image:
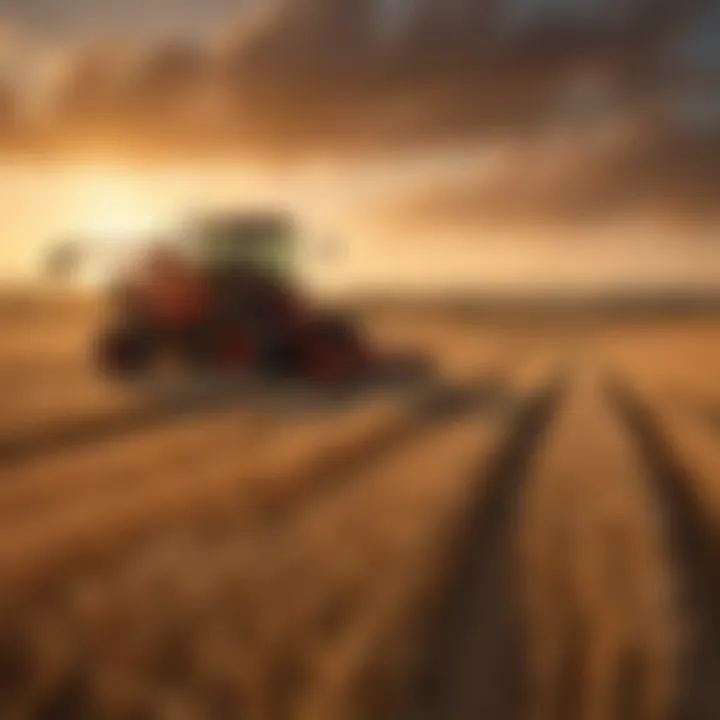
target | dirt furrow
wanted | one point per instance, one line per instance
(695, 547)
(473, 666)
(293, 467)
(353, 556)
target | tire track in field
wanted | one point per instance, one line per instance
(96, 426)
(385, 495)
(597, 594)
(107, 421)
(121, 462)
(410, 500)
(695, 549)
(78, 407)
(117, 523)
(342, 465)
(423, 415)
(473, 667)
(108, 418)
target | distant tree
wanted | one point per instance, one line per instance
(63, 260)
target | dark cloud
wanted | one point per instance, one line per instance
(7, 104)
(330, 79)
(657, 174)
(72, 19)
(319, 76)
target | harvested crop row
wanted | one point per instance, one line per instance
(598, 591)
(184, 623)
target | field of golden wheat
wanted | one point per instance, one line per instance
(535, 538)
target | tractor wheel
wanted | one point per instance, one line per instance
(197, 348)
(235, 350)
(280, 357)
(336, 353)
(331, 365)
(125, 353)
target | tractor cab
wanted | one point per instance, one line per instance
(259, 245)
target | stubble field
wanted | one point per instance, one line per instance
(537, 539)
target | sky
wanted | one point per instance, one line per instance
(549, 123)
(77, 19)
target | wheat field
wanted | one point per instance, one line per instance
(536, 538)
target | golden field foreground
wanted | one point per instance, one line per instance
(539, 540)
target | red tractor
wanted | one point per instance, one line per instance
(222, 297)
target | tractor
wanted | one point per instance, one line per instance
(221, 295)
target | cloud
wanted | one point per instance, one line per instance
(652, 173)
(7, 104)
(308, 77)
(329, 79)
(321, 80)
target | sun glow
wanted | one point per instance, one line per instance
(113, 212)
(111, 207)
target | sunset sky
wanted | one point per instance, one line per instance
(459, 141)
